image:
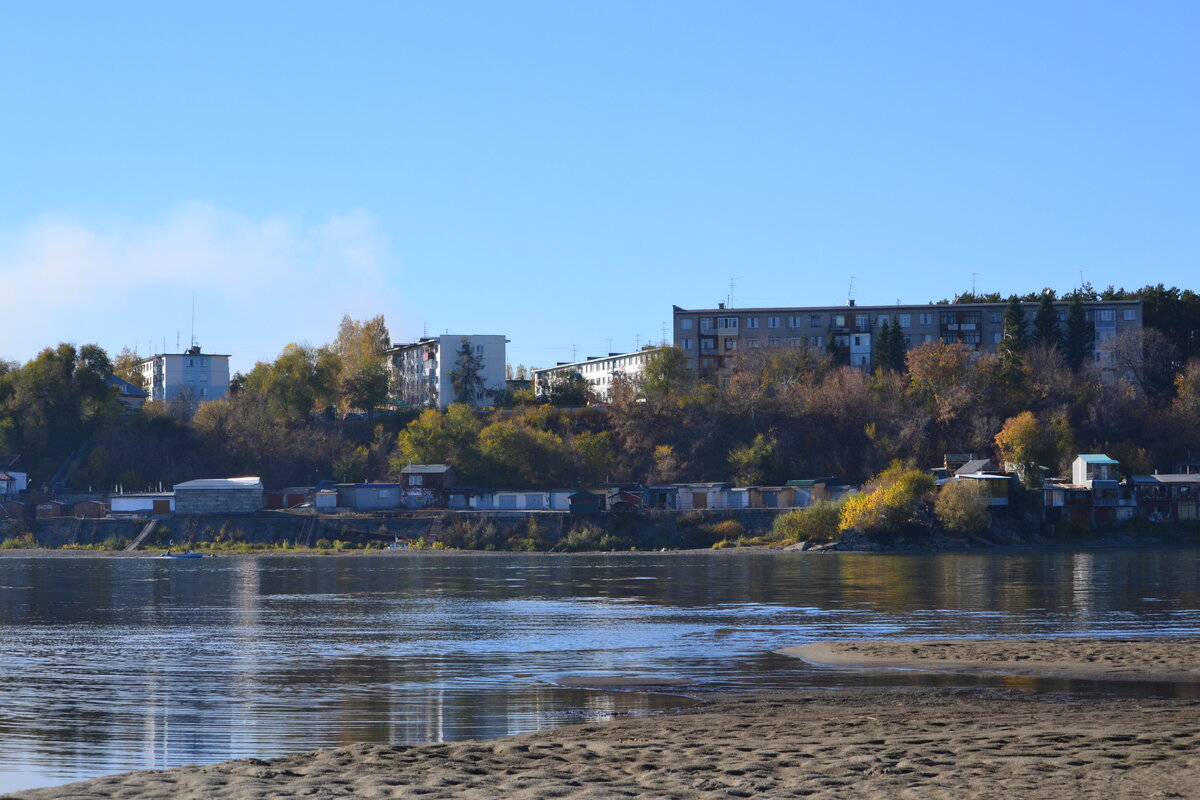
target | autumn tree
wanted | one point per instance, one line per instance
(888, 504)
(757, 463)
(127, 367)
(1024, 442)
(962, 507)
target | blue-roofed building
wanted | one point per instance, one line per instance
(1090, 469)
(130, 396)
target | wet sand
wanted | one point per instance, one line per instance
(1103, 659)
(905, 743)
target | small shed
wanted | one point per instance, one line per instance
(51, 509)
(142, 504)
(370, 496)
(325, 499)
(90, 508)
(585, 502)
(219, 496)
(430, 477)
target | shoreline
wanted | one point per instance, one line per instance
(844, 743)
(791, 549)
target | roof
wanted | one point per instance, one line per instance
(975, 465)
(982, 476)
(1180, 477)
(125, 387)
(1097, 458)
(426, 469)
(221, 483)
(4, 476)
(811, 482)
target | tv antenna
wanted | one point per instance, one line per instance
(193, 335)
(729, 299)
(973, 275)
(850, 291)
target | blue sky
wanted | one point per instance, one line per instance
(564, 172)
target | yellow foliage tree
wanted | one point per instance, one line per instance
(888, 504)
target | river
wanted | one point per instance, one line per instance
(111, 664)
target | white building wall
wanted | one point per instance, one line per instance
(598, 372)
(422, 372)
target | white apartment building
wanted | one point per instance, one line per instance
(194, 375)
(598, 371)
(422, 373)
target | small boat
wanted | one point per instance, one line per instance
(188, 554)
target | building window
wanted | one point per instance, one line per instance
(478, 349)
(926, 338)
(795, 341)
(1062, 316)
(1129, 314)
(191, 362)
(705, 323)
(997, 336)
(731, 344)
(926, 319)
(772, 322)
(839, 320)
(727, 322)
(862, 321)
(706, 363)
(857, 341)
(814, 320)
(793, 322)
(752, 343)
(708, 344)
(996, 316)
(815, 341)
(1106, 315)
(751, 322)
(204, 362)
(884, 318)
(203, 391)
(773, 341)
(685, 324)
(906, 320)
(1105, 334)
(416, 480)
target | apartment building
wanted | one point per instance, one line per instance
(193, 375)
(710, 337)
(598, 371)
(422, 373)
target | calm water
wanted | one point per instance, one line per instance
(117, 664)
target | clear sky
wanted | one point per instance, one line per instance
(564, 172)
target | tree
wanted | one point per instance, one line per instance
(570, 391)
(962, 507)
(441, 438)
(127, 367)
(1045, 321)
(1077, 343)
(357, 363)
(890, 348)
(665, 374)
(1023, 443)
(758, 463)
(1012, 343)
(466, 378)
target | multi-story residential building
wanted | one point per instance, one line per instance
(192, 375)
(598, 371)
(711, 337)
(423, 373)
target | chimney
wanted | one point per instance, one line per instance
(721, 305)
(851, 301)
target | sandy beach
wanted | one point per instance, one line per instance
(907, 743)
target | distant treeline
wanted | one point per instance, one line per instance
(782, 413)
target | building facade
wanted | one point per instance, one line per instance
(598, 371)
(711, 337)
(422, 374)
(192, 375)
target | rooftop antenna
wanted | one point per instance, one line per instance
(729, 300)
(425, 331)
(637, 342)
(1080, 279)
(574, 351)
(973, 274)
(609, 348)
(193, 344)
(850, 291)
(177, 334)
(664, 330)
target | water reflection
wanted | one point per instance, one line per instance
(114, 664)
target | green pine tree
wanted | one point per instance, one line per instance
(1077, 344)
(1045, 321)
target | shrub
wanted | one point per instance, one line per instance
(818, 523)
(725, 529)
(888, 506)
(115, 543)
(23, 542)
(962, 507)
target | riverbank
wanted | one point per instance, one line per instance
(926, 743)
